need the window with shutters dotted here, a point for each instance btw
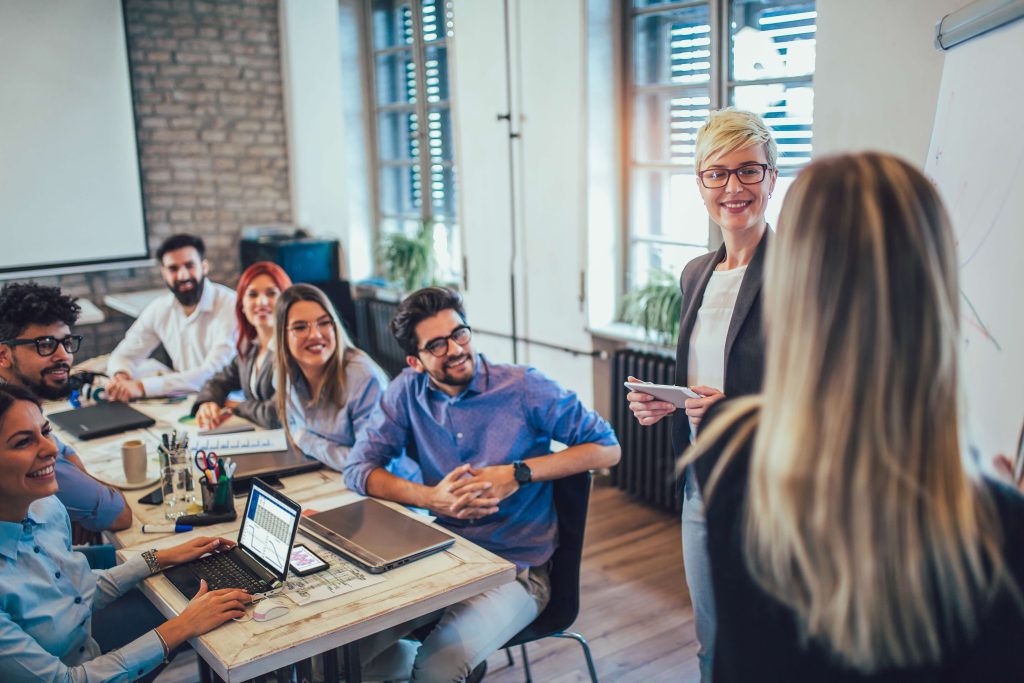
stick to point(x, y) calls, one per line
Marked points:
point(683, 60)
point(415, 181)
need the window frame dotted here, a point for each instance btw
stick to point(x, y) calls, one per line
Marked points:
point(421, 108)
point(720, 88)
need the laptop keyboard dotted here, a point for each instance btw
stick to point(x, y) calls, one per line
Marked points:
point(221, 572)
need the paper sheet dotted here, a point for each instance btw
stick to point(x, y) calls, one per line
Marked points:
point(340, 578)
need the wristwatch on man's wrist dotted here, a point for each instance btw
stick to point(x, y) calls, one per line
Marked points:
point(522, 472)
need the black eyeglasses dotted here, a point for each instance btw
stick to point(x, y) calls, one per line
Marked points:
point(751, 174)
point(439, 346)
point(47, 346)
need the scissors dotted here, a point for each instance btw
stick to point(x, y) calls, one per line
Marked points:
point(207, 462)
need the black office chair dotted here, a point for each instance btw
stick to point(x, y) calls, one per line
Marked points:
point(571, 497)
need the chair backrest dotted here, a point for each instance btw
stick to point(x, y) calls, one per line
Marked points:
point(571, 496)
point(99, 556)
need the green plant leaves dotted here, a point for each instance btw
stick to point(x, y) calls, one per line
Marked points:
point(655, 307)
point(409, 261)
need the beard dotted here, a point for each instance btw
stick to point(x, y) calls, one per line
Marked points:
point(444, 377)
point(40, 387)
point(188, 297)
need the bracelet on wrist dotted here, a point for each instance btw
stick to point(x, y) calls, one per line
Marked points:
point(150, 557)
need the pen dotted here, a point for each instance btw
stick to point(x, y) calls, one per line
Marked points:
point(165, 528)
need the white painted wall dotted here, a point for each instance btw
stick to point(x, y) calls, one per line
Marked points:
point(314, 112)
point(549, 160)
point(876, 83)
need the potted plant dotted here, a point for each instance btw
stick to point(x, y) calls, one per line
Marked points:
point(409, 261)
point(654, 307)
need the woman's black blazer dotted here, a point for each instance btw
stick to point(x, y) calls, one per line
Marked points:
point(744, 344)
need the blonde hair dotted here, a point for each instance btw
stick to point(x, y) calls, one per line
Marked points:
point(860, 514)
point(728, 130)
point(332, 389)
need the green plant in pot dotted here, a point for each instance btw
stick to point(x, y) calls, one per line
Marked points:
point(654, 307)
point(409, 261)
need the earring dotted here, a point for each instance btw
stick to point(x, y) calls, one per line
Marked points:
point(769, 195)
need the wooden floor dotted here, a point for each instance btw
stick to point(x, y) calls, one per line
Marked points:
point(635, 610)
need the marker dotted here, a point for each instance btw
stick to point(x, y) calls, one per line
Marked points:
point(165, 528)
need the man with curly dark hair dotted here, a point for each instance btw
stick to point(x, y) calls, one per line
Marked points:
point(36, 352)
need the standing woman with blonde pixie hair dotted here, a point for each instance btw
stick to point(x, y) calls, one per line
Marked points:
point(849, 537)
point(720, 350)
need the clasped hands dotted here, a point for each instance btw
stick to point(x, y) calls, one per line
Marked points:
point(468, 492)
point(122, 387)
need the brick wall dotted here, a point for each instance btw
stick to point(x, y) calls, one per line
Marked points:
point(209, 114)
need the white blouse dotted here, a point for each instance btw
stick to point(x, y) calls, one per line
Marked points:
point(706, 364)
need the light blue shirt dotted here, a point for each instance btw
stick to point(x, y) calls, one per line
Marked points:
point(90, 503)
point(47, 596)
point(323, 431)
point(506, 413)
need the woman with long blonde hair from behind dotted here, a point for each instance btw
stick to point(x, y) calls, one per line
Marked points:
point(848, 540)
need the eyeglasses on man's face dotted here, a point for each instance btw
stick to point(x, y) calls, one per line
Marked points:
point(47, 346)
point(749, 174)
point(439, 345)
point(303, 328)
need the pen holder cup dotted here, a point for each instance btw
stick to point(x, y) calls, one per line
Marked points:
point(218, 498)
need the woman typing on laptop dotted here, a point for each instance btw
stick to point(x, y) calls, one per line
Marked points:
point(47, 591)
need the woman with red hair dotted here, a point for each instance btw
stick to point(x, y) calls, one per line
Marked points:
point(252, 370)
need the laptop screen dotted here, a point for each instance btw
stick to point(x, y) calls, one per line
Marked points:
point(268, 528)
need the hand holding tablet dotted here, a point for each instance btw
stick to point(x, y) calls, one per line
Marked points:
point(669, 393)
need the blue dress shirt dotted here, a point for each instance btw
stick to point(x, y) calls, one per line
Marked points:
point(90, 503)
point(506, 413)
point(47, 596)
point(328, 434)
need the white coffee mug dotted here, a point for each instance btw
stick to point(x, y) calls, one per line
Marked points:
point(133, 457)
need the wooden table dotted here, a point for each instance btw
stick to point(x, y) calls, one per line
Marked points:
point(240, 651)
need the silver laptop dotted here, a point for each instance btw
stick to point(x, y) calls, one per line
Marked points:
point(373, 535)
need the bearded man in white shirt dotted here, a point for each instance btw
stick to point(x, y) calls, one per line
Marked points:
point(195, 322)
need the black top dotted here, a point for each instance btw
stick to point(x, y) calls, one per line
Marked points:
point(744, 343)
point(259, 406)
point(757, 636)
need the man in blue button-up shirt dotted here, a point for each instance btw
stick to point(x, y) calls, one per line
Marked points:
point(481, 433)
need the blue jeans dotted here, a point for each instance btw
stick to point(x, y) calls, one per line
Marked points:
point(467, 633)
point(698, 572)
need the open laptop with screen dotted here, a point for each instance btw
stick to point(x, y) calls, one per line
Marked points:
point(375, 536)
point(259, 563)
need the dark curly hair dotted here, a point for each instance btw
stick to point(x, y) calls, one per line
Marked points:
point(27, 303)
point(419, 306)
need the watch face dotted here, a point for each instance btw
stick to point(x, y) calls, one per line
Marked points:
point(522, 473)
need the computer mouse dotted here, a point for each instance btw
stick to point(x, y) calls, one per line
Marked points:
point(270, 608)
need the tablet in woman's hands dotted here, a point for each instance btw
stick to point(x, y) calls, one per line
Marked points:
point(665, 392)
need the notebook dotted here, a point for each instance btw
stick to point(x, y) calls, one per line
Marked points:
point(102, 419)
point(373, 535)
point(259, 563)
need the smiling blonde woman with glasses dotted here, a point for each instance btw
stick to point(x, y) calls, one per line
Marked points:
point(850, 539)
point(326, 386)
point(720, 350)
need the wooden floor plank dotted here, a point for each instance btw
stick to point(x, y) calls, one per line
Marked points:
point(635, 610)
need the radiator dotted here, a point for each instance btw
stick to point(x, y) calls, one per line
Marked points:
point(647, 468)
point(375, 338)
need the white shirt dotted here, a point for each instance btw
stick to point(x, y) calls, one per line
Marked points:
point(199, 344)
point(706, 364)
